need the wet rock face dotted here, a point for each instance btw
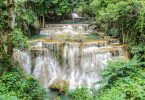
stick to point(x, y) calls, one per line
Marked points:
point(59, 85)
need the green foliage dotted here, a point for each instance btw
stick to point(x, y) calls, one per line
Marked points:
point(23, 19)
point(138, 50)
point(26, 17)
point(52, 7)
point(127, 16)
point(114, 32)
point(26, 88)
point(81, 94)
point(123, 80)
point(16, 85)
point(4, 97)
point(120, 68)
point(84, 8)
point(18, 39)
point(57, 10)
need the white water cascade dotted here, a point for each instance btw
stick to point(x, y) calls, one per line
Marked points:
point(69, 29)
point(78, 63)
point(75, 15)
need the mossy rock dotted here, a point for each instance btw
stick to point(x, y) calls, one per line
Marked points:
point(60, 86)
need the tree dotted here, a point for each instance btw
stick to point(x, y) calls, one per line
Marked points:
point(13, 19)
point(127, 16)
point(11, 6)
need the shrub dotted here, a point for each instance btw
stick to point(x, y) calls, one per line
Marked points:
point(123, 80)
point(81, 94)
point(23, 87)
point(15, 85)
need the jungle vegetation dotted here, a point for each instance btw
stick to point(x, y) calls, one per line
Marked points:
point(124, 19)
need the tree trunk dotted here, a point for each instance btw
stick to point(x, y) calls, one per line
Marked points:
point(122, 35)
point(43, 22)
point(11, 13)
point(11, 24)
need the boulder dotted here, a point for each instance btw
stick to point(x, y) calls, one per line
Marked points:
point(60, 86)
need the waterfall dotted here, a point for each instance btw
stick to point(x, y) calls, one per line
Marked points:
point(78, 63)
point(71, 29)
point(23, 57)
point(75, 15)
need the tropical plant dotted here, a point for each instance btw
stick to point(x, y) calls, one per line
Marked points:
point(122, 80)
point(81, 94)
point(125, 16)
point(14, 84)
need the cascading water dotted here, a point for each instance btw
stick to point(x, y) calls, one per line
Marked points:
point(24, 59)
point(78, 63)
point(66, 29)
point(75, 15)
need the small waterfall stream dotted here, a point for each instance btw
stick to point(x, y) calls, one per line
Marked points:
point(78, 63)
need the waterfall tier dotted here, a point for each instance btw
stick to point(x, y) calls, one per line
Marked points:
point(78, 63)
point(66, 29)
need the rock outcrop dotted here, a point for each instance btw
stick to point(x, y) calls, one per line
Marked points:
point(59, 85)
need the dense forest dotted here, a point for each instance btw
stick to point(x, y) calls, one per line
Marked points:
point(20, 20)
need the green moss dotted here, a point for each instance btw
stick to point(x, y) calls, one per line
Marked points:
point(61, 86)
